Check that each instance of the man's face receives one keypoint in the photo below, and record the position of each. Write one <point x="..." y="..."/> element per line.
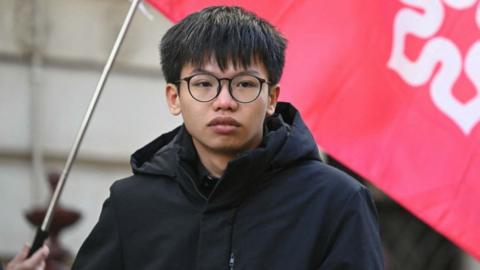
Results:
<point x="223" y="125"/>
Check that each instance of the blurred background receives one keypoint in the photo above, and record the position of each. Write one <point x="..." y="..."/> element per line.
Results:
<point x="51" y="56"/>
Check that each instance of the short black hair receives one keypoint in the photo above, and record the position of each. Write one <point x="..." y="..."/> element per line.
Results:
<point x="227" y="34"/>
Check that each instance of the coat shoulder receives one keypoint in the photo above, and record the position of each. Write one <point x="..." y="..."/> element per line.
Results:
<point x="319" y="176"/>
<point x="139" y="186"/>
<point x="320" y="184"/>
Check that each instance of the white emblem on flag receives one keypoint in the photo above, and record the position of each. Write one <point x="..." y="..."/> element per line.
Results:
<point x="437" y="50"/>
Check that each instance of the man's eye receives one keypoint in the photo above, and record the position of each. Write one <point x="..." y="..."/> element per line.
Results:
<point x="247" y="84"/>
<point x="202" y="84"/>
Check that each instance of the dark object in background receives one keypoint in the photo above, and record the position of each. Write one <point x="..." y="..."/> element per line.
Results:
<point x="59" y="258"/>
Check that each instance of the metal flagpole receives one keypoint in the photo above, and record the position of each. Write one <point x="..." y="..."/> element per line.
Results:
<point x="42" y="231"/>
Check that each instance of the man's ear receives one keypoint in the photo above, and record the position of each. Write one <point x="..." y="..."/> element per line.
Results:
<point x="173" y="99"/>
<point x="273" y="94"/>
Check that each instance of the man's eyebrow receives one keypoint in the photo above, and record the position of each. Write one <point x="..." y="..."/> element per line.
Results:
<point x="199" y="70"/>
<point x="248" y="71"/>
<point x="254" y="72"/>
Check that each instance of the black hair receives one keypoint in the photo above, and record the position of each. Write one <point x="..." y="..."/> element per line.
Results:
<point x="226" y="34"/>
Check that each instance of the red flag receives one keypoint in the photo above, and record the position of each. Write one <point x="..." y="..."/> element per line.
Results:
<point x="391" y="89"/>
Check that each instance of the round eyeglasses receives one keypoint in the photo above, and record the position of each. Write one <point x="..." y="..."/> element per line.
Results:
<point x="243" y="88"/>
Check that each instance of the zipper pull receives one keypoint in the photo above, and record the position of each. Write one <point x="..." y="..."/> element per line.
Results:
<point x="231" y="262"/>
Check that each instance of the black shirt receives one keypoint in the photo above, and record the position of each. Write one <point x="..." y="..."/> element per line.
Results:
<point x="205" y="181"/>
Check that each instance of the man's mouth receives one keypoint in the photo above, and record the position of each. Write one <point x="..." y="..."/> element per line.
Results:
<point x="223" y="125"/>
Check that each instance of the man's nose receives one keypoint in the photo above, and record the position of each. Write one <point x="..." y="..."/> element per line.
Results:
<point x="224" y="100"/>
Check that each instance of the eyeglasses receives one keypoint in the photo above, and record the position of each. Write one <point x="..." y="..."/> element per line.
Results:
<point x="244" y="88"/>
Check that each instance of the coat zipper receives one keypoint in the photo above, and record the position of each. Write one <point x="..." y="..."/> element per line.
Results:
<point x="231" y="262"/>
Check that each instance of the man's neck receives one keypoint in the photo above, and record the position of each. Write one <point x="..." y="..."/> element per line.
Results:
<point x="214" y="163"/>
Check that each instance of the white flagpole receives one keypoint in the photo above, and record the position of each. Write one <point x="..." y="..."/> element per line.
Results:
<point x="42" y="232"/>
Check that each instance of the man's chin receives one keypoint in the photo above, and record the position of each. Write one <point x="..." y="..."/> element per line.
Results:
<point x="231" y="150"/>
<point x="225" y="146"/>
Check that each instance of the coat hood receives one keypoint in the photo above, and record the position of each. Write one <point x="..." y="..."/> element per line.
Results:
<point x="286" y="141"/>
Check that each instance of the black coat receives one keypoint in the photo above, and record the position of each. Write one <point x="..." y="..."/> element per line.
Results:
<point x="276" y="207"/>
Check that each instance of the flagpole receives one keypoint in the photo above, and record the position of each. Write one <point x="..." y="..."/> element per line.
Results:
<point x="42" y="231"/>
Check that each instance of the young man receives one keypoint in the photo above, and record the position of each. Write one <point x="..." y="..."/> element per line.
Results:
<point x="240" y="184"/>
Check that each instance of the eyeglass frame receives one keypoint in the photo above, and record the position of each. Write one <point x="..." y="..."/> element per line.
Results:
<point x="220" y="86"/>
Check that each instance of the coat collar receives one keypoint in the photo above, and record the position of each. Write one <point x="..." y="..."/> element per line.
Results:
<point x="286" y="141"/>
<point x="242" y="175"/>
